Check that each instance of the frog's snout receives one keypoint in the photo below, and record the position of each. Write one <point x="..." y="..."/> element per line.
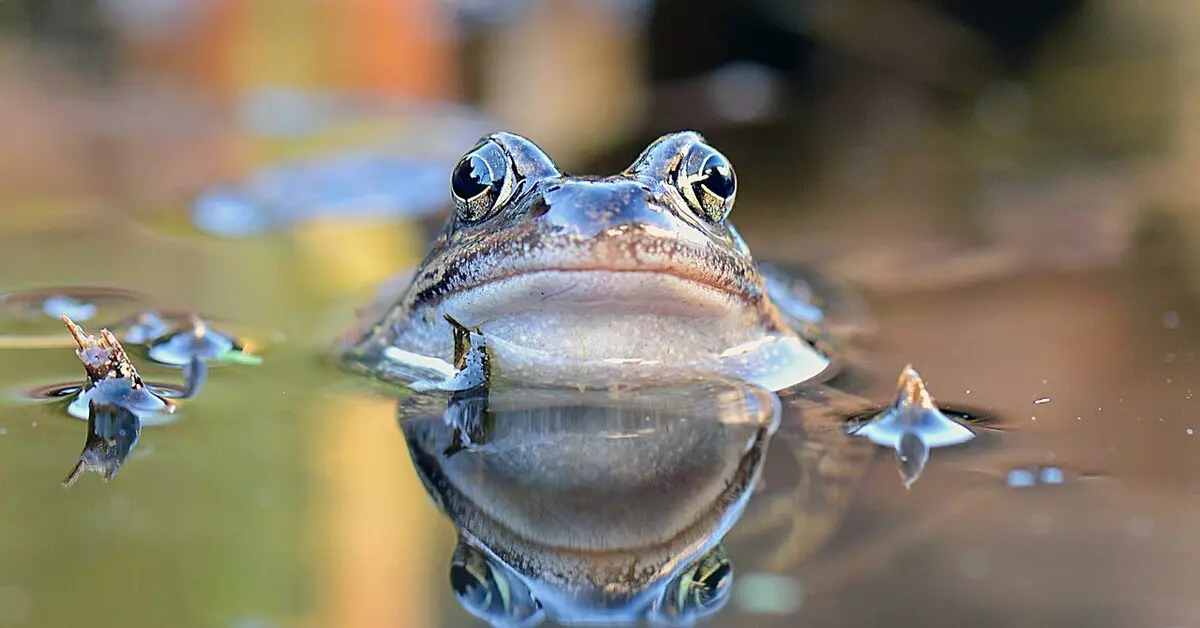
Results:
<point x="595" y="208"/>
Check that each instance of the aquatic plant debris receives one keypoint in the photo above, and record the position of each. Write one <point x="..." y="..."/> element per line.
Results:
<point x="115" y="389"/>
<point x="472" y="362"/>
<point x="912" y="425"/>
<point x="113" y="431"/>
<point x="103" y="358"/>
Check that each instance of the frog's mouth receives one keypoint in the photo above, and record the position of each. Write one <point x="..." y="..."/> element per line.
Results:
<point x="596" y="291"/>
<point x="629" y="268"/>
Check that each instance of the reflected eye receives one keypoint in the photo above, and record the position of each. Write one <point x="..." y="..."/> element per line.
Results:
<point x="481" y="182"/>
<point x="707" y="182"/>
<point x="489" y="592"/>
<point x="700" y="590"/>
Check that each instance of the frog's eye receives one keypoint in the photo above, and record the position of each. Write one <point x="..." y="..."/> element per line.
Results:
<point x="481" y="182"/>
<point x="700" y="590"/>
<point x="489" y="591"/>
<point x="706" y="180"/>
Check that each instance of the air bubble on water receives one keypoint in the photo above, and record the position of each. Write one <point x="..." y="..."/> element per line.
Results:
<point x="1032" y="418"/>
<point x="33" y="424"/>
<point x="1170" y="320"/>
<point x="3" y="431"/>
<point x="1170" y="380"/>
<point x="1189" y="431"/>
<point x="1170" y="358"/>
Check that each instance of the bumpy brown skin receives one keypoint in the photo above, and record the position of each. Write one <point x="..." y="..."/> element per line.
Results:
<point x="634" y="221"/>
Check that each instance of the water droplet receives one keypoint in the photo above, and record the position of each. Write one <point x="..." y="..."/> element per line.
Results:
<point x="1170" y="358"/>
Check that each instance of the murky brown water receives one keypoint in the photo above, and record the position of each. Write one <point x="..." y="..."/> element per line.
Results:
<point x="284" y="494"/>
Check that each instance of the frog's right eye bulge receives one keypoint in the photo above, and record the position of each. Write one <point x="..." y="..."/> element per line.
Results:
<point x="481" y="182"/>
<point x="488" y="592"/>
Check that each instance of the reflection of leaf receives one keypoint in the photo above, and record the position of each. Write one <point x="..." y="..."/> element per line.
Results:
<point x="112" y="433"/>
<point x="235" y="356"/>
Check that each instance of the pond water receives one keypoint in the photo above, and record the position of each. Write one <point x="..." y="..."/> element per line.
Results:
<point x="935" y="177"/>
<point x="284" y="493"/>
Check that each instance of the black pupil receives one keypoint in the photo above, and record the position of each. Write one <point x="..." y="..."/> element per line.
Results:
<point x="716" y="578"/>
<point x="467" y="586"/>
<point x="717" y="177"/>
<point x="471" y="177"/>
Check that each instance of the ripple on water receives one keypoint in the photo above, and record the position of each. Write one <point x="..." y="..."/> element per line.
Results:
<point x="149" y="413"/>
<point x="31" y="318"/>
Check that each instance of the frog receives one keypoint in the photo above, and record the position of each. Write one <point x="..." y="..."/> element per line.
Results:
<point x="582" y="280"/>
<point x="596" y="506"/>
<point x="548" y="298"/>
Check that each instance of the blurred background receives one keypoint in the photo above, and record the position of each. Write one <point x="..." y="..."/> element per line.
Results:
<point x="1036" y="132"/>
<point x="1014" y="184"/>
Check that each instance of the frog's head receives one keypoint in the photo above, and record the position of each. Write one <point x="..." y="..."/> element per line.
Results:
<point x="589" y="507"/>
<point x="530" y="247"/>
<point x="639" y="267"/>
<point x="655" y="238"/>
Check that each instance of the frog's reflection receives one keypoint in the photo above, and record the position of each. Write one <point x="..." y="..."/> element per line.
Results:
<point x="591" y="506"/>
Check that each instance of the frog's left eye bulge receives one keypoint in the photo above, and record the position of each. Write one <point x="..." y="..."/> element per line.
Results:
<point x="707" y="182"/>
<point x="700" y="591"/>
<point x="481" y="182"/>
<point x="711" y="581"/>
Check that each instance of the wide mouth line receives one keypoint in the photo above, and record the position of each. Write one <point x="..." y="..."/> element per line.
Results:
<point x="674" y="273"/>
